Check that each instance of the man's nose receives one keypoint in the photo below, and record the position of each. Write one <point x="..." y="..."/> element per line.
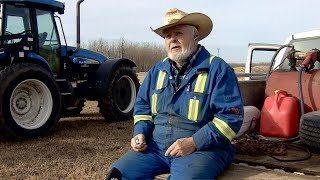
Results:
<point x="173" y="39"/>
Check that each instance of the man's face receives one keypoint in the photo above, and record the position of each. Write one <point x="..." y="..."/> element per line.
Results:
<point x="180" y="43"/>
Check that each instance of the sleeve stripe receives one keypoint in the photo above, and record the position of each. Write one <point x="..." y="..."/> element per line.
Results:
<point x="138" y="118"/>
<point x="224" y="128"/>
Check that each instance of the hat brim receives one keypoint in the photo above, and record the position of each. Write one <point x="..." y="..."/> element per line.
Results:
<point x="201" y="21"/>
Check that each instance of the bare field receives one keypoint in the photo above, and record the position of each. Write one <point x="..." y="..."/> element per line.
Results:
<point x="77" y="148"/>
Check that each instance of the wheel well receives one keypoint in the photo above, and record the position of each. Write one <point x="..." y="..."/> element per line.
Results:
<point x="104" y="73"/>
<point x="124" y="61"/>
<point x="34" y="61"/>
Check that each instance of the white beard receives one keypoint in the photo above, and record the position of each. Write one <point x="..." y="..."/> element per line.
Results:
<point x="180" y="58"/>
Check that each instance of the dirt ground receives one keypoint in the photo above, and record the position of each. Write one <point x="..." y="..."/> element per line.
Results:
<point x="78" y="148"/>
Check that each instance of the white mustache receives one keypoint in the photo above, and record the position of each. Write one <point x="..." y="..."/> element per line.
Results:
<point x="174" y="45"/>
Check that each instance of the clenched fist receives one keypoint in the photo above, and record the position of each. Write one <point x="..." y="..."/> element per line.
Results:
<point x="138" y="143"/>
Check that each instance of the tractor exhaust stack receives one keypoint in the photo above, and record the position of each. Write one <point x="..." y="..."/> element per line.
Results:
<point x="78" y="25"/>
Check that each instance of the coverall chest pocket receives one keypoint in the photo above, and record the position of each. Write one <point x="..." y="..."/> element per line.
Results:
<point x="198" y="104"/>
<point x="159" y="98"/>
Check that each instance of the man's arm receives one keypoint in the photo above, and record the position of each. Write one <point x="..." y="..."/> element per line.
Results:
<point x="143" y="120"/>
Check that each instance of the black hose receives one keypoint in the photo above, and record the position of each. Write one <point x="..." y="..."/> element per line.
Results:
<point x="308" y="155"/>
<point x="282" y="61"/>
<point x="300" y="89"/>
<point x="274" y="57"/>
<point x="278" y="139"/>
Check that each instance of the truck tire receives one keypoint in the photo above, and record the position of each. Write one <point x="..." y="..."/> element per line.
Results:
<point x="30" y="101"/>
<point x="118" y="102"/>
<point x="310" y="129"/>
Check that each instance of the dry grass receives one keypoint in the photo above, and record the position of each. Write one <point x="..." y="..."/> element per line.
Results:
<point x="78" y="148"/>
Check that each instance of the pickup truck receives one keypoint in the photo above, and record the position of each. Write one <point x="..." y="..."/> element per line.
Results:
<point x="270" y="67"/>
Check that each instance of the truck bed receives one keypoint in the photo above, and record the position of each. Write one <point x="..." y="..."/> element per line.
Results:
<point x="264" y="167"/>
<point x="244" y="171"/>
<point x="310" y="166"/>
<point x="253" y="92"/>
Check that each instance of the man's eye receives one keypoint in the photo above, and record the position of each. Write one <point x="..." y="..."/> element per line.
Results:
<point x="179" y="33"/>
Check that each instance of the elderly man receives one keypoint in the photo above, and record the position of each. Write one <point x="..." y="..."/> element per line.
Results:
<point x="188" y="108"/>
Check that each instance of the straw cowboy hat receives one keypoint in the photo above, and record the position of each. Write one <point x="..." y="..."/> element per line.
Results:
<point x="175" y="17"/>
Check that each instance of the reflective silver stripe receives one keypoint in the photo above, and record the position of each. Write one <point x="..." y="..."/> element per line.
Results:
<point x="211" y="58"/>
<point x="201" y="82"/>
<point x="202" y="79"/>
<point x="154" y="100"/>
<point x="224" y="128"/>
<point x="159" y="85"/>
<point x="193" y="109"/>
<point x="161" y="76"/>
<point x="165" y="59"/>
<point x="138" y="118"/>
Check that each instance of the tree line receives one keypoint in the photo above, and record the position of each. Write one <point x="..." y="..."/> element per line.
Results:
<point x="144" y="54"/>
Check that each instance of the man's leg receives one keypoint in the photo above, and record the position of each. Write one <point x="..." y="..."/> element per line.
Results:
<point x="200" y="165"/>
<point x="140" y="165"/>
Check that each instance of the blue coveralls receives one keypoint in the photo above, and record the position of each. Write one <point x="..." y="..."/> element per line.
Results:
<point x="207" y="106"/>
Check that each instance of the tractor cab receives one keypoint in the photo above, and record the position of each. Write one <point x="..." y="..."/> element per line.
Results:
<point x="35" y="19"/>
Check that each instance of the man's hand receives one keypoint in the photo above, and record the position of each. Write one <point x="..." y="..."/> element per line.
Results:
<point x="138" y="143"/>
<point x="181" y="147"/>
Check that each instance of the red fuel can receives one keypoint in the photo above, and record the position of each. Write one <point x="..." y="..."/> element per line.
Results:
<point x="279" y="116"/>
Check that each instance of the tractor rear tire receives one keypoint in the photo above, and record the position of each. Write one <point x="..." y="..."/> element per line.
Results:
<point x="310" y="129"/>
<point x="118" y="102"/>
<point x="30" y="100"/>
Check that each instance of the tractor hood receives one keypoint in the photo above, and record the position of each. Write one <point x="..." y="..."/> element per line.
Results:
<point x="84" y="56"/>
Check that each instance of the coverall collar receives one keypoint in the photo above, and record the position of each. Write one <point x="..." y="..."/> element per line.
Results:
<point x="199" y="65"/>
<point x="199" y="62"/>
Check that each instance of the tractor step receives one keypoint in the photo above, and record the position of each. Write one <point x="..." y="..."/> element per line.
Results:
<point x="66" y="94"/>
<point x="61" y="80"/>
<point x="63" y="85"/>
<point x="70" y="108"/>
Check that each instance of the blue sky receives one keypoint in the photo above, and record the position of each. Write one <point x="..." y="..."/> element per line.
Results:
<point x="236" y="23"/>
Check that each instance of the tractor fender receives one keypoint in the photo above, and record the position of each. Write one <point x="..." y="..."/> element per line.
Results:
<point x="105" y="71"/>
<point x="34" y="58"/>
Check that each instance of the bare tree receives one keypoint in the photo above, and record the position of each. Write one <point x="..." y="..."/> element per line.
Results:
<point x="144" y="54"/>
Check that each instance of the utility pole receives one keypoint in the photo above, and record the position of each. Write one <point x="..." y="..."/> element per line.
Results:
<point x="218" y="52"/>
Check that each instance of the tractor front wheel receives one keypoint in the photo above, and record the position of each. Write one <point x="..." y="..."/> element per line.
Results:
<point x="118" y="102"/>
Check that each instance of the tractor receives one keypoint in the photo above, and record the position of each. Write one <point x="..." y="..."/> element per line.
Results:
<point x="43" y="79"/>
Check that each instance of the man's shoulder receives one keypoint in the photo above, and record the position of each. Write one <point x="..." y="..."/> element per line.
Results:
<point x="215" y="60"/>
<point x="219" y="63"/>
<point x="160" y="63"/>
